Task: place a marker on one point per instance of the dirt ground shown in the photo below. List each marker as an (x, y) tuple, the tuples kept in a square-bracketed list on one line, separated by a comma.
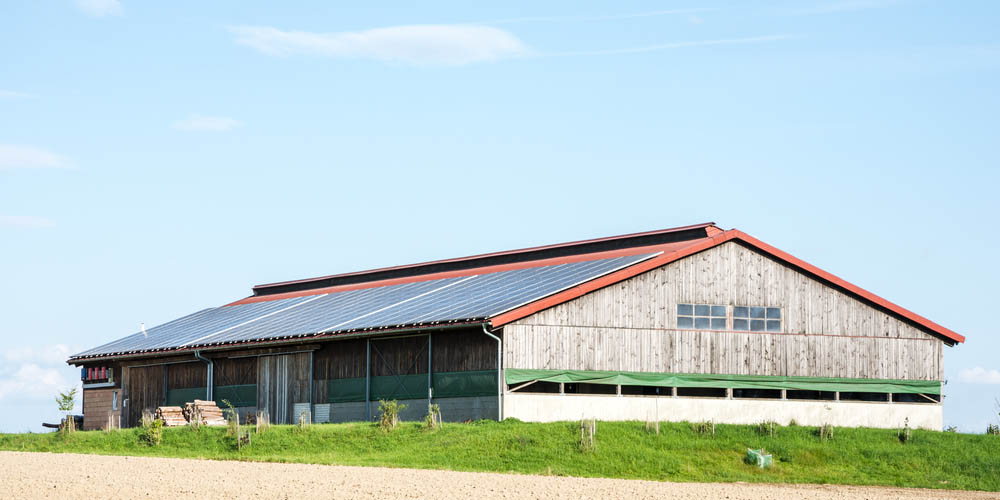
[(45, 475)]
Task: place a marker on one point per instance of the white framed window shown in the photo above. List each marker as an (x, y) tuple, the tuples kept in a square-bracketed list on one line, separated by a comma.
[(757, 319), (701, 317)]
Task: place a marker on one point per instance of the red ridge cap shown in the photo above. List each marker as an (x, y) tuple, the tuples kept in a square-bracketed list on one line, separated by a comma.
[(704, 244), (493, 254), (665, 247)]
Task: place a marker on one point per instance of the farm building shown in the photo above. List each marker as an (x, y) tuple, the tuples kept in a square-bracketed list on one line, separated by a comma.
[(692, 323)]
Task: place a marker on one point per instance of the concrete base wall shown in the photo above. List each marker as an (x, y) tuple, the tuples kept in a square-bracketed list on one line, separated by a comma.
[(555, 407), (452, 410)]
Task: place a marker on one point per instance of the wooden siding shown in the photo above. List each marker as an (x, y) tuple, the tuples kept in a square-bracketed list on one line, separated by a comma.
[(282, 381), (186, 375), (466, 350), (144, 388), (97, 406), (340, 359), (235, 371), (631, 326), (399, 356)]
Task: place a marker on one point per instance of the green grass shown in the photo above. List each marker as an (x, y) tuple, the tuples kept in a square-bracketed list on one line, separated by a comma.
[(623, 450)]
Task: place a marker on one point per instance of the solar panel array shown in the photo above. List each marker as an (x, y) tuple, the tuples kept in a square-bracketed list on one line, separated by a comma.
[(422, 303)]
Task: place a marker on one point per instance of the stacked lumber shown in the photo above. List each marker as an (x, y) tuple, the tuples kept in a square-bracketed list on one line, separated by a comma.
[(208, 411), (172, 416)]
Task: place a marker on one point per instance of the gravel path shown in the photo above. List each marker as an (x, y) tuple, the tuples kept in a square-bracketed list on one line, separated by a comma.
[(45, 475)]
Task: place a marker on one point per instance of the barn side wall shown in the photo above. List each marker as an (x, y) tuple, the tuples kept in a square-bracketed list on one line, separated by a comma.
[(573, 407), (631, 326)]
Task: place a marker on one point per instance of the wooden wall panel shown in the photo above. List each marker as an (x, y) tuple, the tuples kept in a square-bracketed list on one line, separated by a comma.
[(235, 371), (144, 389), (282, 381), (466, 350), (186, 375), (631, 326), (340, 359)]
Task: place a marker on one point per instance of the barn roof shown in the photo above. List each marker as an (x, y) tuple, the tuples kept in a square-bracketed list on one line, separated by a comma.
[(495, 288)]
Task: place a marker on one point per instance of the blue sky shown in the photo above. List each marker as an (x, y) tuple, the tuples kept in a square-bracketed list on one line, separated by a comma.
[(159, 158)]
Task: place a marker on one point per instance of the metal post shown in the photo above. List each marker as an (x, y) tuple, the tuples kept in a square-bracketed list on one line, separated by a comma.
[(500, 383), (618, 390), (673, 392), (784, 394), (368, 379)]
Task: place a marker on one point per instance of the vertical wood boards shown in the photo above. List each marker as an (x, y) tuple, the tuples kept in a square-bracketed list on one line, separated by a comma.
[(144, 388), (282, 381), (630, 326)]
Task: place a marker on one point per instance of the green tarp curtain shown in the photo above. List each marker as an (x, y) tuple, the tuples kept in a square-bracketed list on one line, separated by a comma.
[(177, 397), (465, 384), (237, 395), (445, 384), (515, 376)]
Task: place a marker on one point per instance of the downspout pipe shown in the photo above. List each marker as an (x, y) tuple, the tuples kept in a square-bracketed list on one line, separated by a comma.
[(211, 374), (499, 372)]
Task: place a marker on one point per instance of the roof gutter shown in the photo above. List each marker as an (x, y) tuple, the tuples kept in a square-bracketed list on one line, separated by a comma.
[(499, 372), (211, 374)]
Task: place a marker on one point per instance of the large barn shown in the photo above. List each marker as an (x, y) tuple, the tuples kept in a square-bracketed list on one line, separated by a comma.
[(692, 323)]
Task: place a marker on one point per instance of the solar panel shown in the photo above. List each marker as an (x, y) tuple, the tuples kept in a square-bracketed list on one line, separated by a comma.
[(429, 302)]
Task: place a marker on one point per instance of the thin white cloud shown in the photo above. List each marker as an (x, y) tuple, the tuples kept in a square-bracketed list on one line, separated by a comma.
[(418, 45), (25, 221), (35, 373), (611, 17), (199, 123), (979, 375), (843, 6), (10, 94), (100, 8), (674, 45), (20, 156)]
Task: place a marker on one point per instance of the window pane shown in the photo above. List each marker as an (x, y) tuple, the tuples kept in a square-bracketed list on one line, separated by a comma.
[(684, 322), (719, 311), (741, 312), (756, 312), (741, 324), (701, 323), (773, 325), (756, 325), (701, 310), (685, 309), (718, 323), (773, 313)]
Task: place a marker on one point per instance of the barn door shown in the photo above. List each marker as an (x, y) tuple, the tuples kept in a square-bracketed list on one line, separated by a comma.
[(144, 388), (282, 382)]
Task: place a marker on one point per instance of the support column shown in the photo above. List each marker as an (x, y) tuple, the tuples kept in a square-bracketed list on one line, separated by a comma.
[(368, 379)]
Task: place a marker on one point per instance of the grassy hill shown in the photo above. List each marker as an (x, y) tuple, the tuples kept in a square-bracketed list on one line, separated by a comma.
[(623, 450)]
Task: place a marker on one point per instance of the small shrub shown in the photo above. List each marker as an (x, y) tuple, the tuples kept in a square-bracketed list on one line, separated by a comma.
[(951, 428), (703, 428), (305, 421), (904, 432), (151, 432), (263, 421), (653, 427), (993, 429), (588, 430), (433, 418), (67, 401), (825, 432), (232, 419), (767, 428), (389, 411)]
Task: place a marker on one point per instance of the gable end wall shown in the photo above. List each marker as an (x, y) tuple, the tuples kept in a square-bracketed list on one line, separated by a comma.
[(631, 326)]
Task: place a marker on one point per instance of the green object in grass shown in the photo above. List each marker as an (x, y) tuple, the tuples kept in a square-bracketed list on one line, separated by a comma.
[(759, 458)]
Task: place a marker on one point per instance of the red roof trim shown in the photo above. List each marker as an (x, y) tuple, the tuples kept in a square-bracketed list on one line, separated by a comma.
[(704, 244), (666, 247), (487, 255)]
